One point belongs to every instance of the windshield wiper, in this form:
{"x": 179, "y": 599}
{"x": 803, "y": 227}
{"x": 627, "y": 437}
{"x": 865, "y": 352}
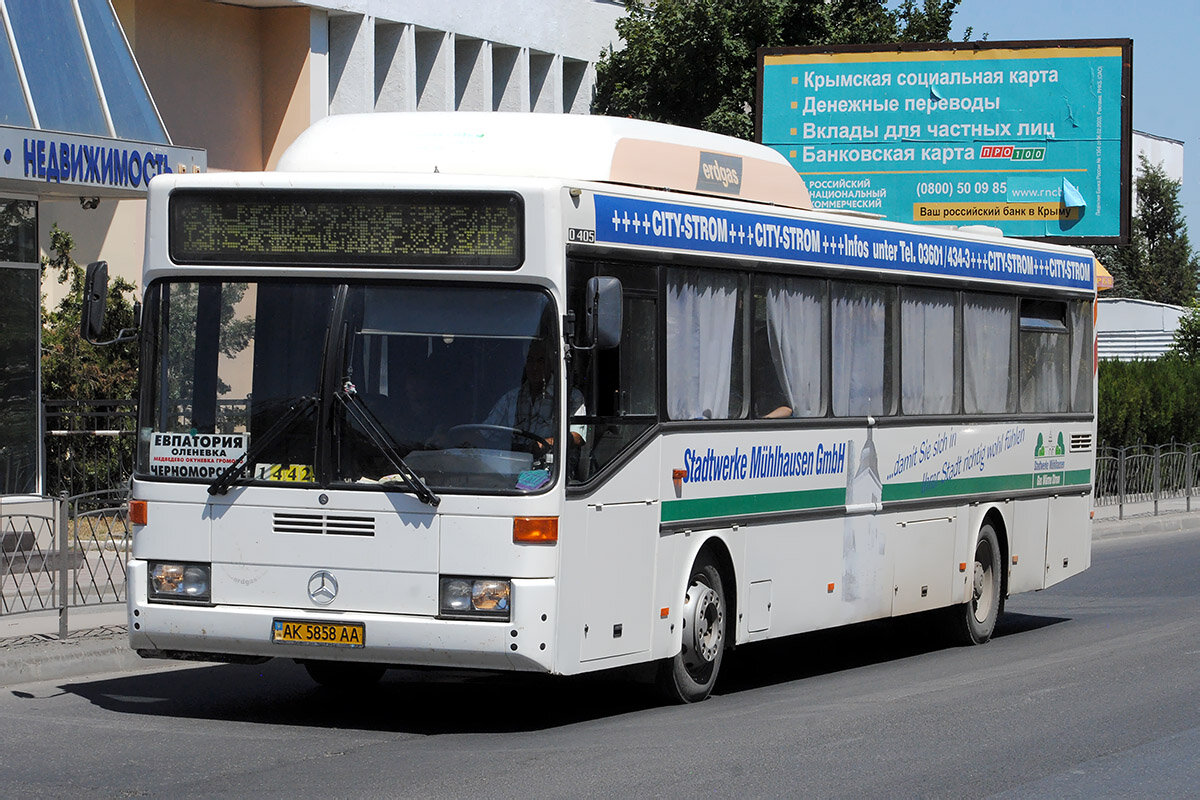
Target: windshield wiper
{"x": 298, "y": 408}
{"x": 358, "y": 410}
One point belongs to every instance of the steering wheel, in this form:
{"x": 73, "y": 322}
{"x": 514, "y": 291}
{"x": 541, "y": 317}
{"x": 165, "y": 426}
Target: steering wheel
{"x": 485, "y": 429}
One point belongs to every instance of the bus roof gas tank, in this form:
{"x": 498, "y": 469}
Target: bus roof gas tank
{"x": 567, "y": 146}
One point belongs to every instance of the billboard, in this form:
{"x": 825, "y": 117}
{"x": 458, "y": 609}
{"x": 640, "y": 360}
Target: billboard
{"x": 1029, "y": 137}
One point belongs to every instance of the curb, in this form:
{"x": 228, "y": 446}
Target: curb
{"x": 49, "y": 659}
{"x": 1137, "y": 526}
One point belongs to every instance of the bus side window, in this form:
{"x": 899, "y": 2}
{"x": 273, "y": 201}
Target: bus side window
{"x": 636, "y": 361}
{"x": 1044, "y": 347}
{"x": 1082, "y": 356}
{"x": 988, "y": 326}
{"x": 788, "y": 353}
{"x": 928, "y": 351}
{"x": 619, "y": 386}
{"x": 706, "y": 323}
{"x": 862, "y": 346}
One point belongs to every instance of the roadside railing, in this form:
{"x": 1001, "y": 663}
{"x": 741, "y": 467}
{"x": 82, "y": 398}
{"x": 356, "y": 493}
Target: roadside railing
{"x": 1147, "y": 475}
{"x": 89, "y": 445}
{"x": 69, "y": 548}
{"x": 58, "y": 553}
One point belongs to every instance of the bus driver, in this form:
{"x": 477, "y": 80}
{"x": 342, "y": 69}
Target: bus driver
{"x": 531, "y": 406}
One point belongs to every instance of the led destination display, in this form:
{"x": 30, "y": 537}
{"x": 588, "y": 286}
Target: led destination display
{"x": 355, "y": 228}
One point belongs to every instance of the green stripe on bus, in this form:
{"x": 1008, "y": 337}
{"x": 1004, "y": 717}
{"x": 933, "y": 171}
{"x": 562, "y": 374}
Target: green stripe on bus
{"x": 774, "y": 502}
{"x": 982, "y": 485}
{"x": 956, "y": 486}
{"x": 741, "y": 505}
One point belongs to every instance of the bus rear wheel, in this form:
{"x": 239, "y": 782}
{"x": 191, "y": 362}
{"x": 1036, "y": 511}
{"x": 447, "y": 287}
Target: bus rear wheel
{"x": 974, "y": 621}
{"x": 689, "y": 677}
{"x": 344, "y": 676}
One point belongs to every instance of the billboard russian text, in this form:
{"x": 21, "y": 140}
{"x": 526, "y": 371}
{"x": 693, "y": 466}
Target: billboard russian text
{"x": 1029, "y": 137}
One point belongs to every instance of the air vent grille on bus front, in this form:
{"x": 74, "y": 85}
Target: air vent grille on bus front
{"x": 324, "y": 523}
{"x": 1081, "y": 442}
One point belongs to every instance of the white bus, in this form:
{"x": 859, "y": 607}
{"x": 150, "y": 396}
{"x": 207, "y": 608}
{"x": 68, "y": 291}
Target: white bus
{"x": 564, "y": 394}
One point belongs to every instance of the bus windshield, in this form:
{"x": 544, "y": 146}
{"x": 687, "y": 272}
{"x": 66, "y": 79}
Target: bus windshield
{"x": 361, "y": 383}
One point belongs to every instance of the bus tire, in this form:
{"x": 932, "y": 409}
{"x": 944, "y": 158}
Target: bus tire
{"x": 974, "y": 621}
{"x": 344, "y": 676}
{"x": 690, "y": 675}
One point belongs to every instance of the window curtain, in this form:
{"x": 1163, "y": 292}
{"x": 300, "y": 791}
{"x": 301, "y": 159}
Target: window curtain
{"x": 794, "y": 334}
{"x": 859, "y": 319}
{"x": 987, "y": 354}
{"x": 1082, "y": 356}
{"x": 927, "y": 351}
{"x": 701, "y": 314}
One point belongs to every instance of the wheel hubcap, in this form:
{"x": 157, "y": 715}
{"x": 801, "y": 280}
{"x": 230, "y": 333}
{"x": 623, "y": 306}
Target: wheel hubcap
{"x": 704, "y": 616}
{"x": 982, "y": 588}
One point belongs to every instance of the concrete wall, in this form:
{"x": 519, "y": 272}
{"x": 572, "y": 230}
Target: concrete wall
{"x": 378, "y": 64}
{"x": 574, "y": 29}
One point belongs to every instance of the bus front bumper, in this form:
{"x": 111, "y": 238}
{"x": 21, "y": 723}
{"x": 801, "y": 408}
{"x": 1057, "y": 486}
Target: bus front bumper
{"x": 224, "y": 632}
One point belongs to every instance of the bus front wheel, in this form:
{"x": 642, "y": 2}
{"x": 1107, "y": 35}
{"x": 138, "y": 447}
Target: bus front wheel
{"x": 689, "y": 676}
{"x": 974, "y": 621}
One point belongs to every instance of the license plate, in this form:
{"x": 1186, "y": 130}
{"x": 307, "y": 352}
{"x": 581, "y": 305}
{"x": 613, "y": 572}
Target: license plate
{"x": 336, "y": 634}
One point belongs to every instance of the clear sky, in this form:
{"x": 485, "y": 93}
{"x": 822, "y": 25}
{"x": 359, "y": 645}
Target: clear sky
{"x": 1166, "y": 60}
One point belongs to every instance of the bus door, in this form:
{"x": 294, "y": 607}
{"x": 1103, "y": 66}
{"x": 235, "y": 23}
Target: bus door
{"x": 614, "y": 475}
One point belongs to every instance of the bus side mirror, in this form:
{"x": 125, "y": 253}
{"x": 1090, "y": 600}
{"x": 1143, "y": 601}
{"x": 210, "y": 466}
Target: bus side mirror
{"x": 602, "y": 312}
{"x": 95, "y": 303}
{"x": 95, "y": 300}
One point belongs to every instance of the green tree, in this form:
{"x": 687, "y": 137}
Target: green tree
{"x": 1158, "y": 263}
{"x": 1148, "y": 402}
{"x": 72, "y": 368}
{"x": 1187, "y": 335}
{"x": 694, "y": 62}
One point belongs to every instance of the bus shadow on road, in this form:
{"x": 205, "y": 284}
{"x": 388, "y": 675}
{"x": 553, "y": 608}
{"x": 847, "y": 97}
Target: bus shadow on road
{"x": 423, "y": 702}
{"x": 852, "y": 647}
{"x": 436, "y": 702}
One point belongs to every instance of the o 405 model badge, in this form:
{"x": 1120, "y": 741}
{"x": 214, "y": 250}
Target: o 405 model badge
{"x": 322, "y": 587}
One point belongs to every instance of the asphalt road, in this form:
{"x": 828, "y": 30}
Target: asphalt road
{"x": 1090, "y": 689}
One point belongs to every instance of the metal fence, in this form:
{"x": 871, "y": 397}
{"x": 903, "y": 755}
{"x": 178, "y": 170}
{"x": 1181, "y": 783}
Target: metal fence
{"x": 69, "y": 547}
{"x": 63, "y": 552}
{"x": 89, "y": 445}
{"x": 1150, "y": 476}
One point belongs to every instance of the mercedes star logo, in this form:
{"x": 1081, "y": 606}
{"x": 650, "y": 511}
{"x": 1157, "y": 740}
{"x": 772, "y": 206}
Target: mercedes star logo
{"x": 322, "y": 587}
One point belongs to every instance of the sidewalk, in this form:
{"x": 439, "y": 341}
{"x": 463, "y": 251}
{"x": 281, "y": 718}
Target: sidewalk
{"x": 30, "y": 649}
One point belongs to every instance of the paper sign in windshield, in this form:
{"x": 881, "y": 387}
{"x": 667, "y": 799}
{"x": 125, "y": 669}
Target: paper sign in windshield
{"x": 200, "y": 455}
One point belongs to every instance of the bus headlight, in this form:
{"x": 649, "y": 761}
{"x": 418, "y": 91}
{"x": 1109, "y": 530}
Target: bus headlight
{"x": 178, "y": 582}
{"x": 474, "y": 598}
